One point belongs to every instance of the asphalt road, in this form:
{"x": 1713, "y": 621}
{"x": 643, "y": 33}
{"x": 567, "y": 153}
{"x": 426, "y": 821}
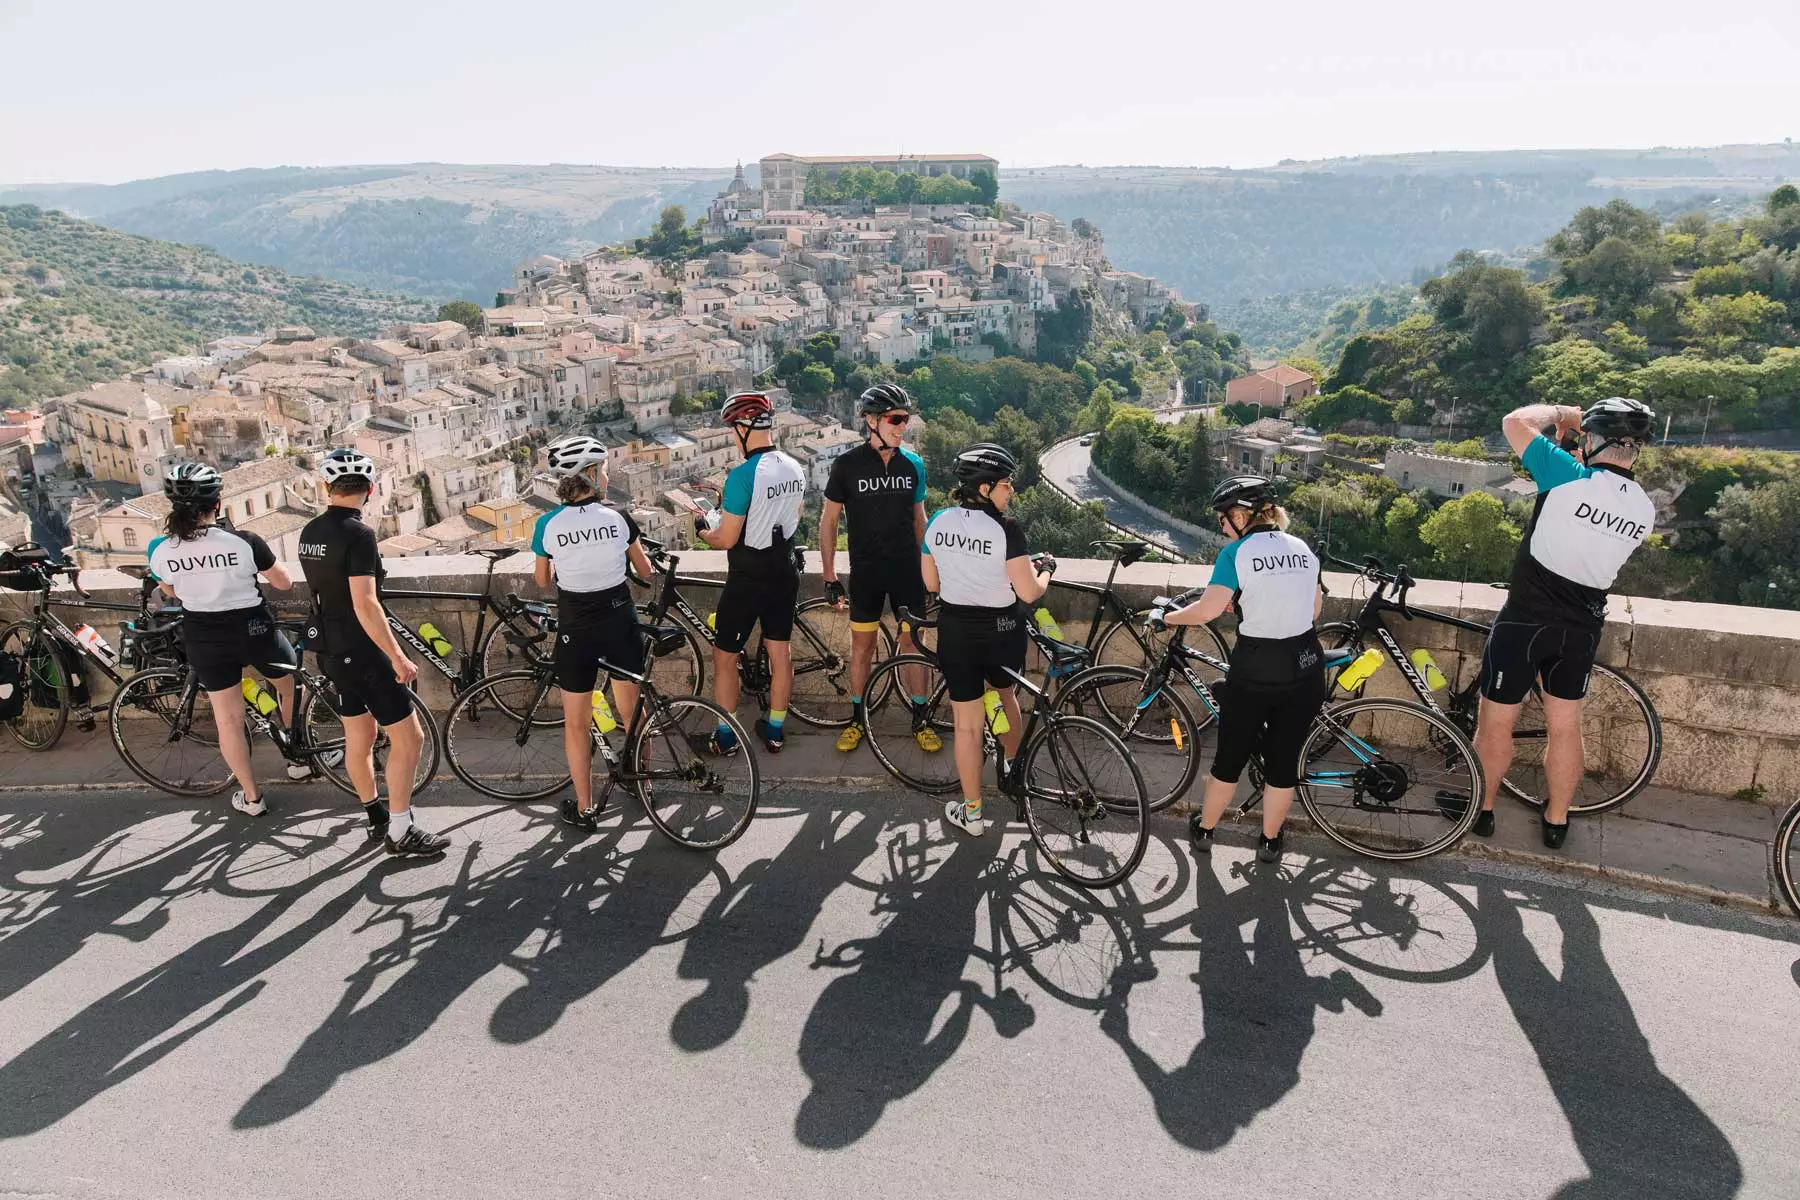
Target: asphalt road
{"x": 1066, "y": 465}
{"x": 846, "y": 1003}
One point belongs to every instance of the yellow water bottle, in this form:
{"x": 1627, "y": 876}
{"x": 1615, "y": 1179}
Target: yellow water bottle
{"x": 1358, "y": 672}
{"x": 1047, "y": 623}
{"x": 712, "y": 621}
{"x": 440, "y": 645}
{"x": 996, "y": 715}
{"x": 604, "y": 720}
{"x": 259, "y": 696}
{"x": 1427, "y": 667}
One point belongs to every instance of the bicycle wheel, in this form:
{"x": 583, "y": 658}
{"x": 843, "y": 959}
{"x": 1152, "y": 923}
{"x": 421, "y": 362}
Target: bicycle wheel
{"x": 821, "y": 649}
{"x": 1164, "y": 737}
{"x": 1117, "y": 647}
{"x": 499, "y": 655}
{"x": 324, "y": 733}
{"x": 1621, "y": 740}
{"x": 1787, "y": 856}
{"x": 1084, "y": 801}
{"x": 912, "y": 740}
{"x": 164, "y": 730}
{"x": 40, "y": 724}
{"x": 697, "y": 799}
{"x": 1389, "y": 778}
{"x": 507, "y": 756}
{"x": 681, "y": 669}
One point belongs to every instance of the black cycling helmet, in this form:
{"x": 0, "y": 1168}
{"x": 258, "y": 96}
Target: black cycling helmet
{"x": 1620, "y": 418}
{"x": 885, "y": 398}
{"x": 984, "y": 462}
{"x": 193, "y": 485}
{"x": 1249, "y": 492}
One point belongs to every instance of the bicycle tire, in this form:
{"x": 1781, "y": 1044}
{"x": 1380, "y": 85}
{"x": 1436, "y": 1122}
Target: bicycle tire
{"x": 159, "y": 702}
{"x": 324, "y": 741}
{"x": 894, "y": 728}
{"x": 1787, "y": 856}
{"x": 1455, "y": 788}
{"x": 680, "y": 671}
{"x": 1065, "y": 798}
{"x": 668, "y": 751}
{"x": 821, "y": 649}
{"x": 1116, "y": 647}
{"x": 1617, "y": 718}
{"x": 38, "y": 727}
{"x": 477, "y": 730}
{"x": 1168, "y": 771}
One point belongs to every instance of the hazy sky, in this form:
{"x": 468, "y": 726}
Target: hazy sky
{"x": 109, "y": 90}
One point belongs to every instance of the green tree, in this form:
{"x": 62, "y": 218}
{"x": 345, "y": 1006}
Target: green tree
{"x": 1064, "y": 332}
{"x": 816, "y": 380}
{"x": 986, "y": 186}
{"x": 822, "y": 348}
{"x": 1759, "y": 543}
{"x": 1575, "y": 371}
{"x": 466, "y": 313}
{"x": 1054, "y": 526}
{"x": 1472, "y": 538}
{"x": 1591, "y": 226}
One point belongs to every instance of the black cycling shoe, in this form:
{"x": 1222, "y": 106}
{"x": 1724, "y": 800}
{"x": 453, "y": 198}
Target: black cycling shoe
{"x": 376, "y": 811}
{"x": 418, "y": 844}
{"x": 587, "y": 822}
{"x": 1200, "y": 835}
{"x": 1554, "y": 835}
{"x": 771, "y": 737}
{"x": 1268, "y": 849}
{"x": 1484, "y": 824}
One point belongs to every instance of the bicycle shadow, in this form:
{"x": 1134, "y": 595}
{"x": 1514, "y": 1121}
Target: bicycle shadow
{"x": 1639, "y": 1132}
{"x": 762, "y": 918}
{"x": 869, "y": 1039}
{"x": 1259, "y": 1011}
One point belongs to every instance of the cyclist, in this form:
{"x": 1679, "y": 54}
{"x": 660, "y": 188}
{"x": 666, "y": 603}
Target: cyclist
{"x": 585, "y": 545}
{"x": 974, "y": 559}
{"x": 1276, "y": 684}
{"x": 212, "y": 571}
{"x": 879, "y": 487}
{"x": 760, "y": 513}
{"x": 359, "y": 655}
{"x": 1590, "y": 515}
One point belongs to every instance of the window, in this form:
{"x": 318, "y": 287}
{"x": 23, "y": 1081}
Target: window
{"x": 249, "y": 508}
{"x": 143, "y": 438}
{"x": 268, "y": 501}
{"x": 1456, "y": 489}
{"x": 130, "y": 538}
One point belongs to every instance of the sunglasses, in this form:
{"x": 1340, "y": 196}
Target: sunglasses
{"x": 897, "y": 418}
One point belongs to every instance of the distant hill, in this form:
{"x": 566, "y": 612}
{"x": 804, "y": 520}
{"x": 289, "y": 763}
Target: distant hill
{"x": 444, "y": 231}
{"x": 81, "y": 303}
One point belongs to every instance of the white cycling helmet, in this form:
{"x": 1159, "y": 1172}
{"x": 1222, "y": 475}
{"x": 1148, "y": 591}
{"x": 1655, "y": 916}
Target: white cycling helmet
{"x": 341, "y": 463}
{"x": 575, "y": 453}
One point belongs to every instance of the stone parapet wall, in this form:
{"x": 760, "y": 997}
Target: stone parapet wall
{"x": 1725, "y": 680}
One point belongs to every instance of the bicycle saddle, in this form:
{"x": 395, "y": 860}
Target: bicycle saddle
{"x": 652, "y": 547}
{"x": 137, "y": 571}
{"x": 1063, "y": 654}
{"x": 665, "y": 639}
{"x": 1126, "y": 552}
{"x": 496, "y": 553}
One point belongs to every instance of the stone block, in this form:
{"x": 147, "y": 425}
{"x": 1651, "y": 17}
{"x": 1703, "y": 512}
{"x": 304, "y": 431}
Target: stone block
{"x": 1721, "y": 704}
{"x": 1778, "y": 770}
{"x": 1715, "y": 861}
{"x": 1708, "y": 814}
{"x": 1705, "y": 760}
{"x": 1739, "y": 654}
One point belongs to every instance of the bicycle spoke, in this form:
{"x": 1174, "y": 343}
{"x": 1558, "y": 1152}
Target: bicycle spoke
{"x": 698, "y": 799}
{"x": 1084, "y": 801}
{"x": 505, "y": 755}
{"x": 1390, "y": 779}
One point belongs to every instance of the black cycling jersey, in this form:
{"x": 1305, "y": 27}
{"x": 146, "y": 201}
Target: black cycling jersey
{"x": 336, "y": 547}
{"x": 879, "y": 499}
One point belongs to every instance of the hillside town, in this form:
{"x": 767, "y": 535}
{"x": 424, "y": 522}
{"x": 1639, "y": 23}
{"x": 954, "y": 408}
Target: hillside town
{"x": 635, "y": 348}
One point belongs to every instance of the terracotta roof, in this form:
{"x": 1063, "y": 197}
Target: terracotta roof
{"x": 1283, "y": 374}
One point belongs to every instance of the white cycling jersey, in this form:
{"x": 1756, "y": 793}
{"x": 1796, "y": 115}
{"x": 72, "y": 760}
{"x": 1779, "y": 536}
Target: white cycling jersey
{"x": 214, "y": 571}
{"x": 971, "y": 547}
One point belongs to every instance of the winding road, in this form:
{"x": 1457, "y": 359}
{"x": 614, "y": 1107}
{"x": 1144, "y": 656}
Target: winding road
{"x": 1066, "y": 466}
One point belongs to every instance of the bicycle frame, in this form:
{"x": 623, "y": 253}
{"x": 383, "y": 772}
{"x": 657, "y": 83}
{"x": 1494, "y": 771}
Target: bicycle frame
{"x": 58, "y": 629}
{"x": 1369, "y": 621}
{"x": 485, "y": 603}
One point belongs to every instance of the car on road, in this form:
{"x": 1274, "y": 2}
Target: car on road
{"x": 1087, "y": 439}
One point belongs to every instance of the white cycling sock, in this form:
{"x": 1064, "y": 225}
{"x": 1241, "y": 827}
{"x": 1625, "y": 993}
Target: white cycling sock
{"x": 399, "y": 823}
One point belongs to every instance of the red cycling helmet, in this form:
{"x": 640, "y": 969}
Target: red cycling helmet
{"x": 748, "y": 408}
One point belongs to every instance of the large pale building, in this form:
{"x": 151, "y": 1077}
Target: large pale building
{"x": 784, "y": 175}
{"x": 121, "y": 431}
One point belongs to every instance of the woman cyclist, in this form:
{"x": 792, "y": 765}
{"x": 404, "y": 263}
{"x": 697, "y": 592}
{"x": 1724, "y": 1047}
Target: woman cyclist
{"x": 212, "y": 571}
{"x": 1277, "y": 680}
{"x": 585, "y": 545}
{"x": 974, "y": 559}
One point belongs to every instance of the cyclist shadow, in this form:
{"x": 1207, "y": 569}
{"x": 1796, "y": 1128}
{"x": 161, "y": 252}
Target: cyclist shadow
{"x": 1639, "y": 1132}
{"x": 1260, "y": 1007}
{"x": 150, "y": 1016}
{"x": 762, "y": 918}
{"x": 869, "y": 1039}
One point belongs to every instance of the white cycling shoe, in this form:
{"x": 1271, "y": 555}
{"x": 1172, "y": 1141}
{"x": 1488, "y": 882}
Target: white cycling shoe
{"x": 247, "y": 806}
{"x": 957, "y": 814}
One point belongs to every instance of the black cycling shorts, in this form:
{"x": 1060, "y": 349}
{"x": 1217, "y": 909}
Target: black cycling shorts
{"x": 367, "y": 686}
{"x": 1522, "y": 654}
{"x": 896, "y": 584}
{"x": 976, "y": 645}
{"x": 579, "y": 652}
{"x": 1271, "y": 723}
{"x": 221, "y": 645}
{"x": 753, "y": 597}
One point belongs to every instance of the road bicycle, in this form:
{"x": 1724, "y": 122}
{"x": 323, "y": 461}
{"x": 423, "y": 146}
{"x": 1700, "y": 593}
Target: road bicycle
{"x": 163, "y": 727}
{"x": 696, "y": 798}
{"x": 1621, "y": 734}
{"x": 1390, "y": 779}
{"x": 493, "y": 651}
{"x": 53, "y": 656}
{"x": 1787, "y": 856}
{"x": 1074, "y": 782}
{"x": 820, "y": 646}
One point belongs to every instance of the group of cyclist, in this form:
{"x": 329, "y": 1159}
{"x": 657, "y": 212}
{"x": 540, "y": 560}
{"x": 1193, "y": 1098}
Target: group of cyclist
{"x": 1590, "y": 515}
